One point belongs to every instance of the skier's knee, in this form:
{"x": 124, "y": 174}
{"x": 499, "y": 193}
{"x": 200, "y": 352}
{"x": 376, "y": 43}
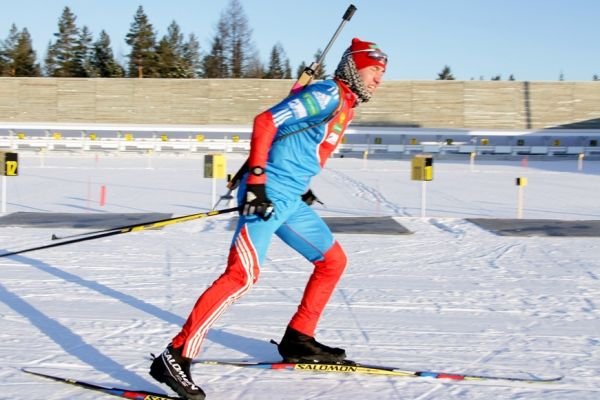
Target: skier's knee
{"x": 334, "y": 260}
{"x": 242, "y": 273}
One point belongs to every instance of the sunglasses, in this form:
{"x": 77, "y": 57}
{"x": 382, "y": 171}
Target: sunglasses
{"x": 374, "y": 54}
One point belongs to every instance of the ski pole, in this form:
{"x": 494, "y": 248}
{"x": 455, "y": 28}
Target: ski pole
{"x": 231, "y": 186}
{"x": 159, "y": 223}
{"x": 226, "y": 196}
{"x": 124, "y": 229}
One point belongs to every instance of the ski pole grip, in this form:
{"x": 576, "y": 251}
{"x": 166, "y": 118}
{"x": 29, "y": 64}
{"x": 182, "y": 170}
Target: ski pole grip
{"x": 349, "y": 12}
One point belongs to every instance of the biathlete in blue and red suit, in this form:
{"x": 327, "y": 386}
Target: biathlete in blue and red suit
{"x": 290, "y": 144}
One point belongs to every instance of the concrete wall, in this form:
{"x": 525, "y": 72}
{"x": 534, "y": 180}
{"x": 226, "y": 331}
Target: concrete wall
{"x": 448, "y": 104}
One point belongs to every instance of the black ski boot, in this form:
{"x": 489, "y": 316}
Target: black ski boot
{"x": 296, "y": 346}
{"x": 171, "y": 368}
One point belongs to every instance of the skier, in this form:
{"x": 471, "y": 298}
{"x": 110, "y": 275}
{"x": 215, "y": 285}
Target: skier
{"x": 290, "y": 144}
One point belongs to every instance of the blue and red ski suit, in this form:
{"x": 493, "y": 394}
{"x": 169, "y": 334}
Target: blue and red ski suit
{"x": 291, "y": 141}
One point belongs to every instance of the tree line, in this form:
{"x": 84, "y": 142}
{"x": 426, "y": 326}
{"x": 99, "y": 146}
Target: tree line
{"x": 75, "y": 53}
{"x": 446, "y": 75}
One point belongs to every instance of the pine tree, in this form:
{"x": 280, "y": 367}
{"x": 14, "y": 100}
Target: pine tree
{"x": 3, "y": 60}
{"x": 231, "y": 51}
{"x": 255, "y": 69}
{"x": 446, "y": 74}
{"x": 61, "y": 58}
{"x": 171, "y": 53}
{"x": 17, "y": 57}
{"x": 7, "y": 48}
{"x": 191, "y": 56}
{"x": 84, "y": 53}
{"x": 50, "y": 62}
{"x": 238, "y": 46}
{"x": 275, "y": 69}
{"x": 214, "y": 64}
{"x": 167, "y": 66}
{"x": 24, "y": 57}
{"x": 103, "y": 60}
{"x": 142, "y": 39}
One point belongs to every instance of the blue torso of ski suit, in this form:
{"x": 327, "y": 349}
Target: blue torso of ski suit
{"x": 308, "y": 127}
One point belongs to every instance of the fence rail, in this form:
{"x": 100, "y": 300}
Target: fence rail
{"x": 390, "y": 141}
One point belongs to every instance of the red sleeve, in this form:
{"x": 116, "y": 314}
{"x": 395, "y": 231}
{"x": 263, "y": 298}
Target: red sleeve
{"x": 263, "y": 133}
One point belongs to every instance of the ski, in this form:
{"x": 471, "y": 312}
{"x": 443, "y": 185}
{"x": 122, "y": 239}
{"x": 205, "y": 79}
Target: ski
{"x": 351, "y": 367}
{"x": 114, "y": 391}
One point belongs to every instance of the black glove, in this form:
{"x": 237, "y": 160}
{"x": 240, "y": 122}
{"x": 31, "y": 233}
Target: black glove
{"x": 309, "y": 198}
{"x": 257, "y": 202}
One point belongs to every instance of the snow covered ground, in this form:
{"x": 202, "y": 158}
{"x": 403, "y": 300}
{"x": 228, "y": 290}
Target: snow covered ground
{"x": 450, "y": 296}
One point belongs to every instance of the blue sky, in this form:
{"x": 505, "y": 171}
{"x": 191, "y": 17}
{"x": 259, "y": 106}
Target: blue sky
{"x": 534, "y": 40}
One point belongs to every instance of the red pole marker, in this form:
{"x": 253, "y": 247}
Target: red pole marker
{"x": 102, "y": 195}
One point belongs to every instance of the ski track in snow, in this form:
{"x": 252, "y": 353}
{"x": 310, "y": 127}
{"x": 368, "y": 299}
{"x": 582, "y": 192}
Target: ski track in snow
{"x": 450, "y": 296}
{"x": 366, "y": 192}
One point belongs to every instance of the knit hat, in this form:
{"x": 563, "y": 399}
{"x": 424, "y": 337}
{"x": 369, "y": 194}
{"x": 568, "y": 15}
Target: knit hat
{"x": 366, "y": 54}
{"x": 359, "y": 55}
